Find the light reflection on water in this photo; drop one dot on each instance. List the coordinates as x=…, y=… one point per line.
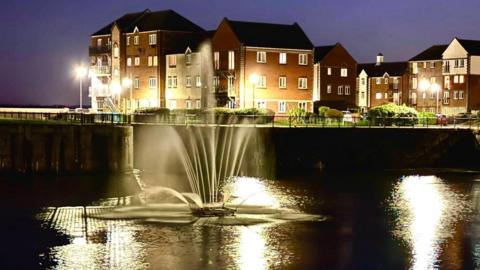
x=428, y=210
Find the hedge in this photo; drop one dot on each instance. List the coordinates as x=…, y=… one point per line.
x=391, y=113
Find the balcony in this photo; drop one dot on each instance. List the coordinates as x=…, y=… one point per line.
x=101, y=70
x=95, y=50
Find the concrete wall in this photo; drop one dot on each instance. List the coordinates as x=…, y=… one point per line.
x=39, y=149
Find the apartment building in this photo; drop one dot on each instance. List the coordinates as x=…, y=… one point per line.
x=262, y=65
x=334, y=77
x=189, y=73
x=134, y=47
x=427, y=66
x=382, y=82
x=461, y=76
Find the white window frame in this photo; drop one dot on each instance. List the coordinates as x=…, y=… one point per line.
x=216, y=81
x=216, y=60
x=347, y=90
x=198, y=104
x=261, y=104
x=188, y=104
x=136, y=40
x=172, y=60
x=446, y=97
x=432, y=64
x=137, y=61
x=455, y=79
x=152, y=83
x=174, y=81
x=188, y=58
x=461, y=79
x=329, y=71
x=282, y=58
x=303, y=59
x=378, y=96
x=461, y=94
x=414, y=83
x=188, y=81
x=129, y=61
x=150, y=61
x=302, y=105
x=262, y=81
x=231, y=60
x=128, y=41
x=455, y=94
x=379, y=80
x=155, y=60
x=152, y=39
x=282, y=107
x=198, y=81
x=99, y=43
x=282, y=82
x=302, y=83
x=344, y=72
x=136, y=83
x=329, y=88
x=340, y=90
x=262, y=57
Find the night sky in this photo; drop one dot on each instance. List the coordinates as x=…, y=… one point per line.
x=43, y=39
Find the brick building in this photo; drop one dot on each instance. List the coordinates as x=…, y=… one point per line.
x=426, y=66
x=280, y=58
x=134, y=46
x=334, y=77
x=382, y=82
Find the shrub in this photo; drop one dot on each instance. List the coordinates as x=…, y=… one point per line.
x=334, y=113
x=427, y=118
x=161, y=111
x=391, y=113
x=297, y=112
x=322, y=110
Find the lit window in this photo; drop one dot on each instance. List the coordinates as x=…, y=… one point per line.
x=262, y=81
x=129, y=61
x=231, y=60
x=282, y=58
x=116, y=51
x=329, y=71
x=152, y=39
x=136, y=40
x=216, y=60
x=386, y=80
x=378, y=96
x=446, y=97
x=282, y=82
x=415, y=68
x=188, y=58
x=460, y=94
x=329, y=89
x=447, y=82
x=414, y=83
x=198, y=81
x=216, y=81
x=137, y=61
x=455, y=79
x=424, y=64
x=136, y=83
x=150, y=61
x=340, y=90
x=302, y=59
x=155, y=61
x=128, y=41
x=230, y=84
x=344, y=72
x=99, y=42
x=261, y=57
x=172, y=60
x=188, y=81
x=282, y=106
x=461, y=79
x=302, y=83
x=152, y=83
x=432, y=64
x=188, y=104
x=347, y=89
x=433, y=80
x=386, y=95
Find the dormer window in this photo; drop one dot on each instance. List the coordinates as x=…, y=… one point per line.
x=136, y=40
x=116, y=51
x=188, y=58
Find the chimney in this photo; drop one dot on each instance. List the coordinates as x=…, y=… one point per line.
x=379, y=59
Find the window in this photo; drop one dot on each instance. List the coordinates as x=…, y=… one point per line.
x=231, y=60
x=347, y=89
x=136, y=83
x=379, y=81
x=262, y=81
x=261, y=57
x=461, y=79
x=329, y=71
x=129, y=61
x=152, y=83
x=216, y=60
x=446, y=66
x=172, y=60
x=329, y=88
x=282, y=82
x=172, y=104
x=386, y=80
x=447, y=82
x=155, y=61
x=415, y=68
x=282, y=106
x=424, y=95
x=174, y=81
x=455, y=94
x=137, y=61
x=230, y=84
x=432, y=64
x=136, y=40
x=378, y=96
x=302, y=83
x=414, y=83
x=216, y=81
x=199, y=104
x=150, y=61
x=188, y=58
x=363, y=81
x=456, y=63
x=188, y=81
x=340, y=90
x=302, y=59
x=116, y=51
x=461, y=63
x=302, y=105
x=343, y=72
x=188, y=104
x=128, y=41
x=169, y=81
x=282, y=58
x=424, y=64
x=395, y=83
x=460, y=94
x=433, y=80
x=386, y=95
x=455, y=79
x=261, y=104
x=152, y=39
x=198, y=81
x=99, y=42
x=446, y=97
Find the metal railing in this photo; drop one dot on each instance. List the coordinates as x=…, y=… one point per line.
x=242, y=120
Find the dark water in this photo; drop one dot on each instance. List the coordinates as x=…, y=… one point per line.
x=384, y=220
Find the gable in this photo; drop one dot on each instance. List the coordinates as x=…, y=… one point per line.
x=224, y=37
x=339, y=56
x=454, y=50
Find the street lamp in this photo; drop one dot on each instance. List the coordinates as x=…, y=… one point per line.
x=127, y=83
x=253, y=80
x=80, y=72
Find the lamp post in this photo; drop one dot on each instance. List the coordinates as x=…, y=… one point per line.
x=253, y=80
x=116, y=89
x=127, y=83
x=434, y=87
x=80, y=72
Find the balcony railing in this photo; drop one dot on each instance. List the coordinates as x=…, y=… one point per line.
x=106, y=49
x=101, y=70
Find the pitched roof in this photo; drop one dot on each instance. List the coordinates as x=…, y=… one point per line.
x=471, y=46
x=192, y=41
x=392, y=68
x=148, y=21
x=322, y=51
x=433, y=53
x=270, y=35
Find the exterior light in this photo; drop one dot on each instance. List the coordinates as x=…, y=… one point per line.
x=424, y=85
x=253, y=78
x=80, y=72
x=116, y=88
x=435, y=87
x=126, y=82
